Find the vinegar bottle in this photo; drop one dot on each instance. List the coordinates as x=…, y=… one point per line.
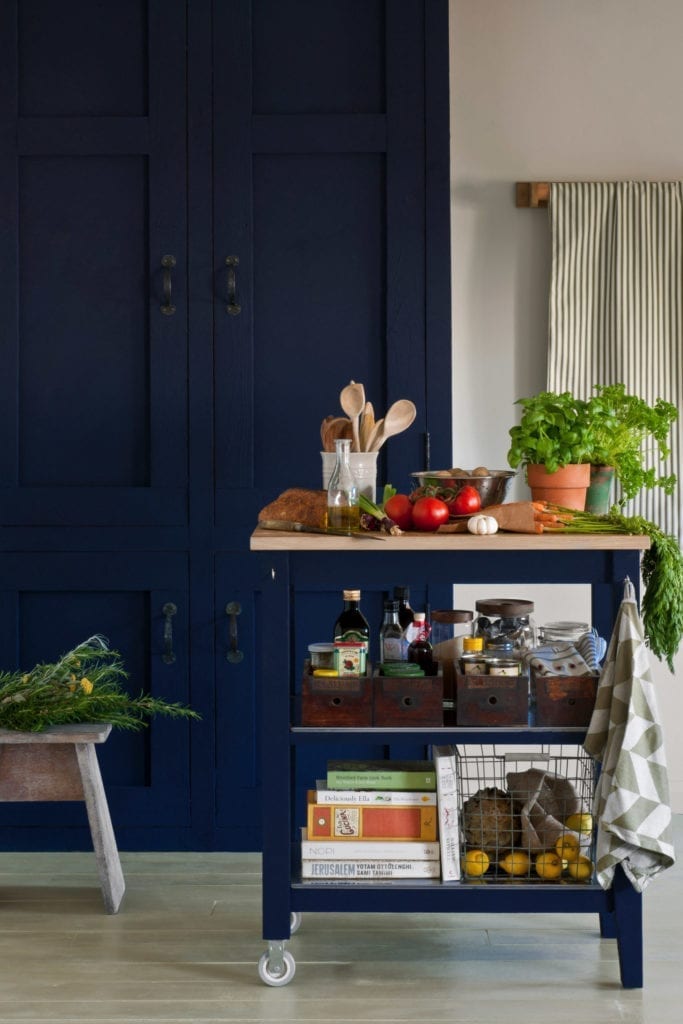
x=343, y=512
x=405, y=617
x=420, y=649
x=391, y=634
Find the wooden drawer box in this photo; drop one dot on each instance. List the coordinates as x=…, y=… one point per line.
x=491, y=700
x=336, y=700
x=408, y=700
x=564, y=700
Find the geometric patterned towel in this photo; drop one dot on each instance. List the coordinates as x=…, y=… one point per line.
x=631, y=806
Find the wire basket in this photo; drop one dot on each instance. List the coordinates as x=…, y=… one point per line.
x=526, y=816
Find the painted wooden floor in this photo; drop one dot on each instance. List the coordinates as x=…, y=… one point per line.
x=186, y=942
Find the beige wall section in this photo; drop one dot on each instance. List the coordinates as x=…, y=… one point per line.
x=545, y=90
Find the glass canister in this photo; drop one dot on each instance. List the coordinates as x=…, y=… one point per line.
x=505, y=620
x=450, y=627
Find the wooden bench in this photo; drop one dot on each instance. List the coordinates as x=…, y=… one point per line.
x=61, y=764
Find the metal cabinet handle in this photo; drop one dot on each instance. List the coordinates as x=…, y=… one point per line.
x=233, y=307
x=233, y=655
x=169, y=610
x=167, y=263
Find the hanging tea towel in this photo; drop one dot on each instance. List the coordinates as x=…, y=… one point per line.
x=631, y=807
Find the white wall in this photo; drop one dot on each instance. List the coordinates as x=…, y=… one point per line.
x=546, y=90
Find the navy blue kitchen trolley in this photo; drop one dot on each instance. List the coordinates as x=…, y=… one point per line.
x=298, y=574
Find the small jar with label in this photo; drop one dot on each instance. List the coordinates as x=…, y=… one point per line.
x=472, y=660
x=321, y=655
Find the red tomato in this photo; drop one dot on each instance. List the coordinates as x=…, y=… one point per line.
x=466, y=502
x=429, y=513
x=400, y=508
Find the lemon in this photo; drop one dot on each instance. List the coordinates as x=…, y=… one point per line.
x=568, y=847
x=580, y=822
x=515, y=863
x=581, y=868
x=548, y=865
x=476, y=862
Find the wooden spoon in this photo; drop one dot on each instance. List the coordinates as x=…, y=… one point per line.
x=323, y=430
x=367, y=425
x=398, y=417
x=374, y=434
x=339, y=426
x=352, y=400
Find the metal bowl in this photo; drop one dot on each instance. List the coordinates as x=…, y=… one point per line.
x=493, y=488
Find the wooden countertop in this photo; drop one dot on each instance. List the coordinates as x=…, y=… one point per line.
x=285, y=540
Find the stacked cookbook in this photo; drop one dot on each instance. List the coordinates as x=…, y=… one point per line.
x=375, y=820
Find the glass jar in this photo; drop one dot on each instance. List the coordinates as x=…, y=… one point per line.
x=321, y=655
x=501, y=621
x=449, y=628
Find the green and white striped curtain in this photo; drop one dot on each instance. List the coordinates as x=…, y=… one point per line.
x=616, y=305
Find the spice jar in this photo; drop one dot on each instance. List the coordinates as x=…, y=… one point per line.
x=472, y=661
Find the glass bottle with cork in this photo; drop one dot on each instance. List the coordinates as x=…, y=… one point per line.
x=343, y=510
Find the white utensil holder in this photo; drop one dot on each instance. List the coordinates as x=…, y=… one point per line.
x=363, y=465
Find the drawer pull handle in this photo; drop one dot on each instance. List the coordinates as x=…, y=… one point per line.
x=233, y=655
x=169, y=610
x=233, y=307
x=167, y=263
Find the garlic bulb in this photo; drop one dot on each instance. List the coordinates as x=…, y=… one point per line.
x=482, y=524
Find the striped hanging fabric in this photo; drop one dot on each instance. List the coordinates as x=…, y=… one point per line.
x=616, y=306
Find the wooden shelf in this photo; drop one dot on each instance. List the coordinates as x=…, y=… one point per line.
x=282, y=540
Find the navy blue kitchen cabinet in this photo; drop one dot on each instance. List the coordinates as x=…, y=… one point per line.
x=214, y=215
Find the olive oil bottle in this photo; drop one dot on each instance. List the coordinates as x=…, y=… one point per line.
x=343, y=511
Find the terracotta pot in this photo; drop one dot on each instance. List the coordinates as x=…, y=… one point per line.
x=566, y=486
x=599, y=489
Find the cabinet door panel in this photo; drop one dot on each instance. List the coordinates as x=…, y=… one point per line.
x=94, y=184
x=296, y=45
x=331, y=238
x=51, y=603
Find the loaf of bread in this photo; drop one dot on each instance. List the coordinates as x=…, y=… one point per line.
x=297, y=505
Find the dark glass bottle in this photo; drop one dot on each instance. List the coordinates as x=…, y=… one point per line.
x=352, y=626
x=420, y=649
x=405, y=612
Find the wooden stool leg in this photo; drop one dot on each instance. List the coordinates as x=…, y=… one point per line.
x=104, y=841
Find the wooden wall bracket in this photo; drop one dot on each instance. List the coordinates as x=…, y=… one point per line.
x=532, y=193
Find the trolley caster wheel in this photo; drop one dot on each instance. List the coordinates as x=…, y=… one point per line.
x=281, y=976
x=294, y=921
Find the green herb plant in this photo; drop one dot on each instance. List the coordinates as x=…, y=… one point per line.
x=84, y=685
x=554, y=431
x=626, y=432
x=662, y=571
